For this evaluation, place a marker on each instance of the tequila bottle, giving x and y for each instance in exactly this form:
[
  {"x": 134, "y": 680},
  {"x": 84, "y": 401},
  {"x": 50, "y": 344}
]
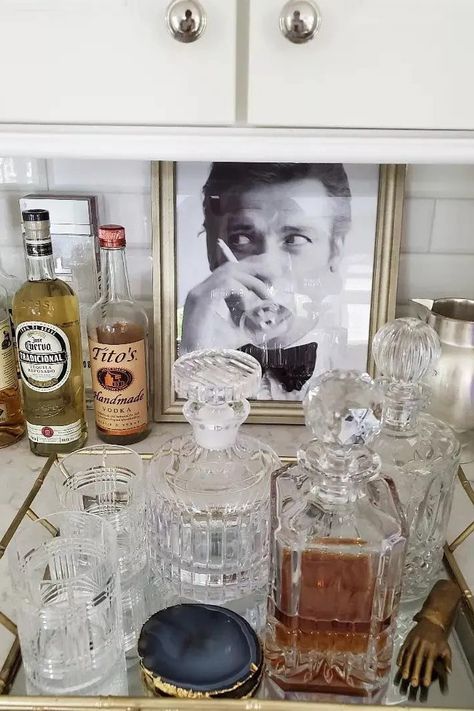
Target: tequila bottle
[
  {"x": 48, "y": 333},
  {"x": 337, "y": 551},
  {"x": 210, "y": 491},
  {"x": 419, "y": 452}
]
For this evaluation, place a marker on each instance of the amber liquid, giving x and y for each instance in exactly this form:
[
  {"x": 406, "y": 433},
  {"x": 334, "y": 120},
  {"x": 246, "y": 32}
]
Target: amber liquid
[
  {"x": 329, "y": 639},
  {"x": 121, "y": 333},
  {"x": 12, "y": 426},
  {"x": 52, "y": 301}
]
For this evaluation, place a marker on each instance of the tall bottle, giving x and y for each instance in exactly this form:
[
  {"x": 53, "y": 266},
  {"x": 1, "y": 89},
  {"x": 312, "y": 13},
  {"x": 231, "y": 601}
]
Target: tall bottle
[
  {"x": 419, "y": 452},
  {"x": 118, "y": 344},
  {"x": 46, "y": 316},
  {"x": 338, "y": 547},
  {"x": 12, "y": 422}
]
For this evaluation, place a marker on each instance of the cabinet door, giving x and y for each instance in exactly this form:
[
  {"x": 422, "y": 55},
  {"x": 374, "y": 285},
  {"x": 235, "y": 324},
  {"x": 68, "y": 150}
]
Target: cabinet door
[
  {"x": 114, "y": 62},
  {"x": 373, "y": 64}
]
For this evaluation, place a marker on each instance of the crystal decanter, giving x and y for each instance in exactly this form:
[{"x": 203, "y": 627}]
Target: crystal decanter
[
  {"x": 210, "y": 491},
  {"x": 338, "y": 545},
  {"x": 419, "y": 452}
]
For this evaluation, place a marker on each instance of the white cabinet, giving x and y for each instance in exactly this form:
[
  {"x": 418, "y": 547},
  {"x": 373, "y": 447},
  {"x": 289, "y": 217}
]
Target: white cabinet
[
  {"x": 387, "y": 64},
  {"x": 114, "y": 62},
  {"x": 373, "y": 64}
]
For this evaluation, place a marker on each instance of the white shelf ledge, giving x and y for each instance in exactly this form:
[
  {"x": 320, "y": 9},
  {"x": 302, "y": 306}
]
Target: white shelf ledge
[{"x": 237, "y": 144}]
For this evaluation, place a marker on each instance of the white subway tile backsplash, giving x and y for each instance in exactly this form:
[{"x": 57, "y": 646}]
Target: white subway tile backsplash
[
  {"x": 430, "y": 276},
  {"x": 140, "y": 268},
  {"x": 417, "y": 224},
  {"x": 22, "y": 172},
  {"x": 453, "y": 227},
  {"x": 93, "y": 176},
  {"x": 133, "y": 211},
  {"x": 443, "y": 181},
  {"x": 10, "y": 219},
  {"x": 12, "y": 259}
]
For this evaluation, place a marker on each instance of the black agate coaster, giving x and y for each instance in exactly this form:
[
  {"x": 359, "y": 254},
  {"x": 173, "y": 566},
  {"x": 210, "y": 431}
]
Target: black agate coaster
[{"x": 200, "y": 651}]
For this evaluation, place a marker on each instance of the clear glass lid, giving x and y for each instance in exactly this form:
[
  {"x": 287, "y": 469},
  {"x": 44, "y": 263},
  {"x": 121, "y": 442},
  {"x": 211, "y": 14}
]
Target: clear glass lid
[
  {"x": 405, "y": 350},
  {"x": 342, "y": 410},
  {"x": 215, "y": 458},
  {"x": 216, "y": 376}
]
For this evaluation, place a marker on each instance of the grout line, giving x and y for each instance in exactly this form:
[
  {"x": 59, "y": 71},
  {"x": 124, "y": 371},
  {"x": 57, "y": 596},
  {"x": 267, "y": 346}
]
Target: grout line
[
  {"x": 433, "y": 217},
  {"x": 438, "y": 254},
  {"x": 420, "y": 195},
  {"x": 46, "y": 171}
]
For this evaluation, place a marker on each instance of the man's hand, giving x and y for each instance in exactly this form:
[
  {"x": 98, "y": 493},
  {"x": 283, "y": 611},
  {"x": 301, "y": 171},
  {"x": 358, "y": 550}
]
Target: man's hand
[{"x": 242, "y": 285}]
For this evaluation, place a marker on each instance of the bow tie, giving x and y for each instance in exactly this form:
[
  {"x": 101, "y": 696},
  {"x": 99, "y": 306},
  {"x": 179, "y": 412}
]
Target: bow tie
[{"x": 292, "y": 367}]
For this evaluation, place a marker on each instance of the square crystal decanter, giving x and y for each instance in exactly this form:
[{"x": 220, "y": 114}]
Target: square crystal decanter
[
  {"x": 337, "y": 550},
  {"x": 419, "y": 452},
  {"x": 210, "y": 491}
]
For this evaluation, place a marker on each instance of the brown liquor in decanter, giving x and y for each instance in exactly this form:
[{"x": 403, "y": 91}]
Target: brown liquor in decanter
[{"x": 334, "y": 614}]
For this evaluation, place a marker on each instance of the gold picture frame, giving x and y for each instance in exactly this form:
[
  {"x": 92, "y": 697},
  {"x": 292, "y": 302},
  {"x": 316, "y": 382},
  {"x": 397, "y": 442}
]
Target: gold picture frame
[{"x": 167, "y": 407}]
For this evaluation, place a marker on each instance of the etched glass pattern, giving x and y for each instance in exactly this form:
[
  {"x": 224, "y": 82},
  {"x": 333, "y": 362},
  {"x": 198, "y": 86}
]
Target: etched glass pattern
[
  {"x": 108, "y": 481},
  {"x": 337, "y": 551},
  {"x": 65, "y": 574},
  {"x": 209, "y": 507},
  {"x": 419, "y": 452}
]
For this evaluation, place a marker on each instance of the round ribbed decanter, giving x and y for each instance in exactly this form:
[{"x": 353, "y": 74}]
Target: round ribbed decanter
[
  {"x": 418, "y": 452},
  {"x": 210, "y": 490}
]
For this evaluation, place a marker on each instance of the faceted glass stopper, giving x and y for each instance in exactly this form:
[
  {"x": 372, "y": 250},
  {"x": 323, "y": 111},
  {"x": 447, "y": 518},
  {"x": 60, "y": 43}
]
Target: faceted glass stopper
[
  {"x": 216, "y": 376},
  {"x": 343, "y": 408},
  {"x": 405, "y": 350}
]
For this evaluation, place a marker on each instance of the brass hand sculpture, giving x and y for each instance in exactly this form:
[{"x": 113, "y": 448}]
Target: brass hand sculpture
[{"x": 426, "y": 646}]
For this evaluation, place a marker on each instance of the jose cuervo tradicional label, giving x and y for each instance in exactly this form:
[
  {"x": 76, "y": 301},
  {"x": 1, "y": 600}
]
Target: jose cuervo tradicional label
[{"x": 44, "y": 353}]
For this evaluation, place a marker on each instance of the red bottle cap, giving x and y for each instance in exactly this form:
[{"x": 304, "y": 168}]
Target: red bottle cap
[{"x": 112, "y": 236}]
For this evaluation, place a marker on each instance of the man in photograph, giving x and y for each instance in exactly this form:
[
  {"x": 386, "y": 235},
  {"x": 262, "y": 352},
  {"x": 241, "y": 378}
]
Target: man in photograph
[{"x": 275, "y": 238}]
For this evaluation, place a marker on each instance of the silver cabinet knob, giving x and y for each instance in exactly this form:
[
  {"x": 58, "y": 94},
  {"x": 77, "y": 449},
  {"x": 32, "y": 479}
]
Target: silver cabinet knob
[
  {"x": 186, "y": 20},
  {"x": 300, "y": 20}
]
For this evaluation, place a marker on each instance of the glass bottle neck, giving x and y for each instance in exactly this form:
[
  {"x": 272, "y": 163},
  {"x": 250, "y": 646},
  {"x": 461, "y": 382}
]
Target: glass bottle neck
[
  {"x": 338, "y": 474},
  {"x": 40, "y": 268},
  {"x": 216, "y": 425},
  {"x": 114, "y": 276},
  {"x": 402, "y": 406}
]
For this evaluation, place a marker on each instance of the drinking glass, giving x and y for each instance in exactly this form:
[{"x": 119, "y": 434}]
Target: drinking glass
[
  {"x": 64, "y": 575},
  {"x": 107, "y": 480}
]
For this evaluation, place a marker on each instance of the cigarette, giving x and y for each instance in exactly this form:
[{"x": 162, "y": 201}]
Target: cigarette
[{"x": 226, "y": 251}]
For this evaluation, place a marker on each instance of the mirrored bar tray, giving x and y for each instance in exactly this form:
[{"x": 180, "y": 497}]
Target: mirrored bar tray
[{"x": 458, "y": 695}]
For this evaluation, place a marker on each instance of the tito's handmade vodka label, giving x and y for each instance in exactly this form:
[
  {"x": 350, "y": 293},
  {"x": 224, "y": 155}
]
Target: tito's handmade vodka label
[{"x": 120, "y": 386}]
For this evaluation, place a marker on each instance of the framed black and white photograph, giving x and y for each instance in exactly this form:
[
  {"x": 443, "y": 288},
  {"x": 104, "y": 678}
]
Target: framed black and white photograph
[{"x": 293, "y": 263}]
